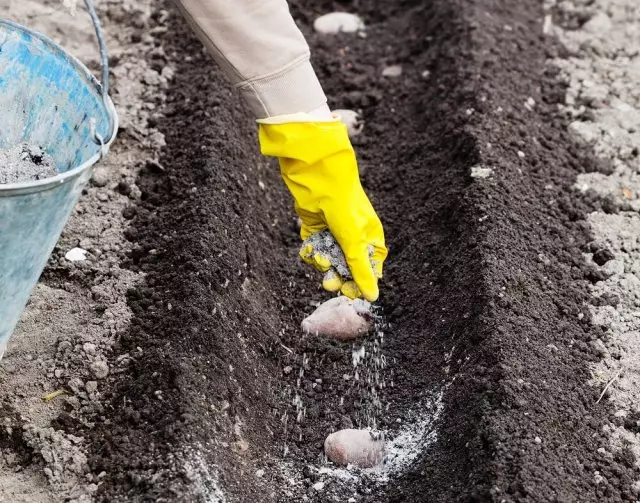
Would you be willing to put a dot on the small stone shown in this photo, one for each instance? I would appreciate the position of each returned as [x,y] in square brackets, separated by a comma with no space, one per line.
[521,154]
[287,370]
[353,121]
[100,369]
[426,74]
[537,440]
[339,318]
[100,178]
[158,139]
[354,447]
[260,473]
[76,255]
[392,71]
[338,22]
[91,387]
[597,478]
[318,486]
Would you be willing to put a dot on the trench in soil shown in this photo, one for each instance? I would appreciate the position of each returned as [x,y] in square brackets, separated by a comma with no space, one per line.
[484,276]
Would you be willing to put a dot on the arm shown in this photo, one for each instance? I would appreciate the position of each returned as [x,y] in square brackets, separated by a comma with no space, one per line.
[261,50]
[263,53]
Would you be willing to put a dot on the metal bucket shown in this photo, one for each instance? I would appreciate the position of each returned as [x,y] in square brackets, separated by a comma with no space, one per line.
[51,100]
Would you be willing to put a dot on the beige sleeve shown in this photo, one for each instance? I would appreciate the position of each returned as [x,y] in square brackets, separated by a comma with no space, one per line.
[262,51]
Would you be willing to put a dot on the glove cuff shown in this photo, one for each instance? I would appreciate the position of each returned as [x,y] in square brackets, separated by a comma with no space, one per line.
[303,140]
[298,118]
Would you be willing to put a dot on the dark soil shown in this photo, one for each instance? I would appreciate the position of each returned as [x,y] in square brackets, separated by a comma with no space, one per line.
[488,271]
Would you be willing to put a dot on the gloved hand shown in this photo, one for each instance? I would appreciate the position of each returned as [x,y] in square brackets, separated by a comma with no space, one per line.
[319,166]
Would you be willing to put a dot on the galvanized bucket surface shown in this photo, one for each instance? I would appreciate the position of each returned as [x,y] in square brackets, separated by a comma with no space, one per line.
[48,99]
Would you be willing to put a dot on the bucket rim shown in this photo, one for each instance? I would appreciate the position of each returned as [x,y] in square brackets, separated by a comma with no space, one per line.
[12,189]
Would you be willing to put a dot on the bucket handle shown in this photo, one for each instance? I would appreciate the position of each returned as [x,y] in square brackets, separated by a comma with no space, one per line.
[104,60]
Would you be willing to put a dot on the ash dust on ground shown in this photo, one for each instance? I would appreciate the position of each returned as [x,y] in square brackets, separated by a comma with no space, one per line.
[179,339]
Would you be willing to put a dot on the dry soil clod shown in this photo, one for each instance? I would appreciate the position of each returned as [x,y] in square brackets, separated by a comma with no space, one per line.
[100,369]
[354,447]
[339,318]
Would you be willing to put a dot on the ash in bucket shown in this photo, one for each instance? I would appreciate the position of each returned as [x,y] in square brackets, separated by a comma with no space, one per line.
[25,163]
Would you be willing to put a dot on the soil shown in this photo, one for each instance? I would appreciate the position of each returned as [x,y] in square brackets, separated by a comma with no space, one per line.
[603,99]
[189,375]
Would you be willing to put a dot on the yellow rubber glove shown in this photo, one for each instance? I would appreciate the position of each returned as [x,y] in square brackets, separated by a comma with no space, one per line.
[319,166]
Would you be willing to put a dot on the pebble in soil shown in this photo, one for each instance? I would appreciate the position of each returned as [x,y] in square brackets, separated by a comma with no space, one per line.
[25,163]
[76,255]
